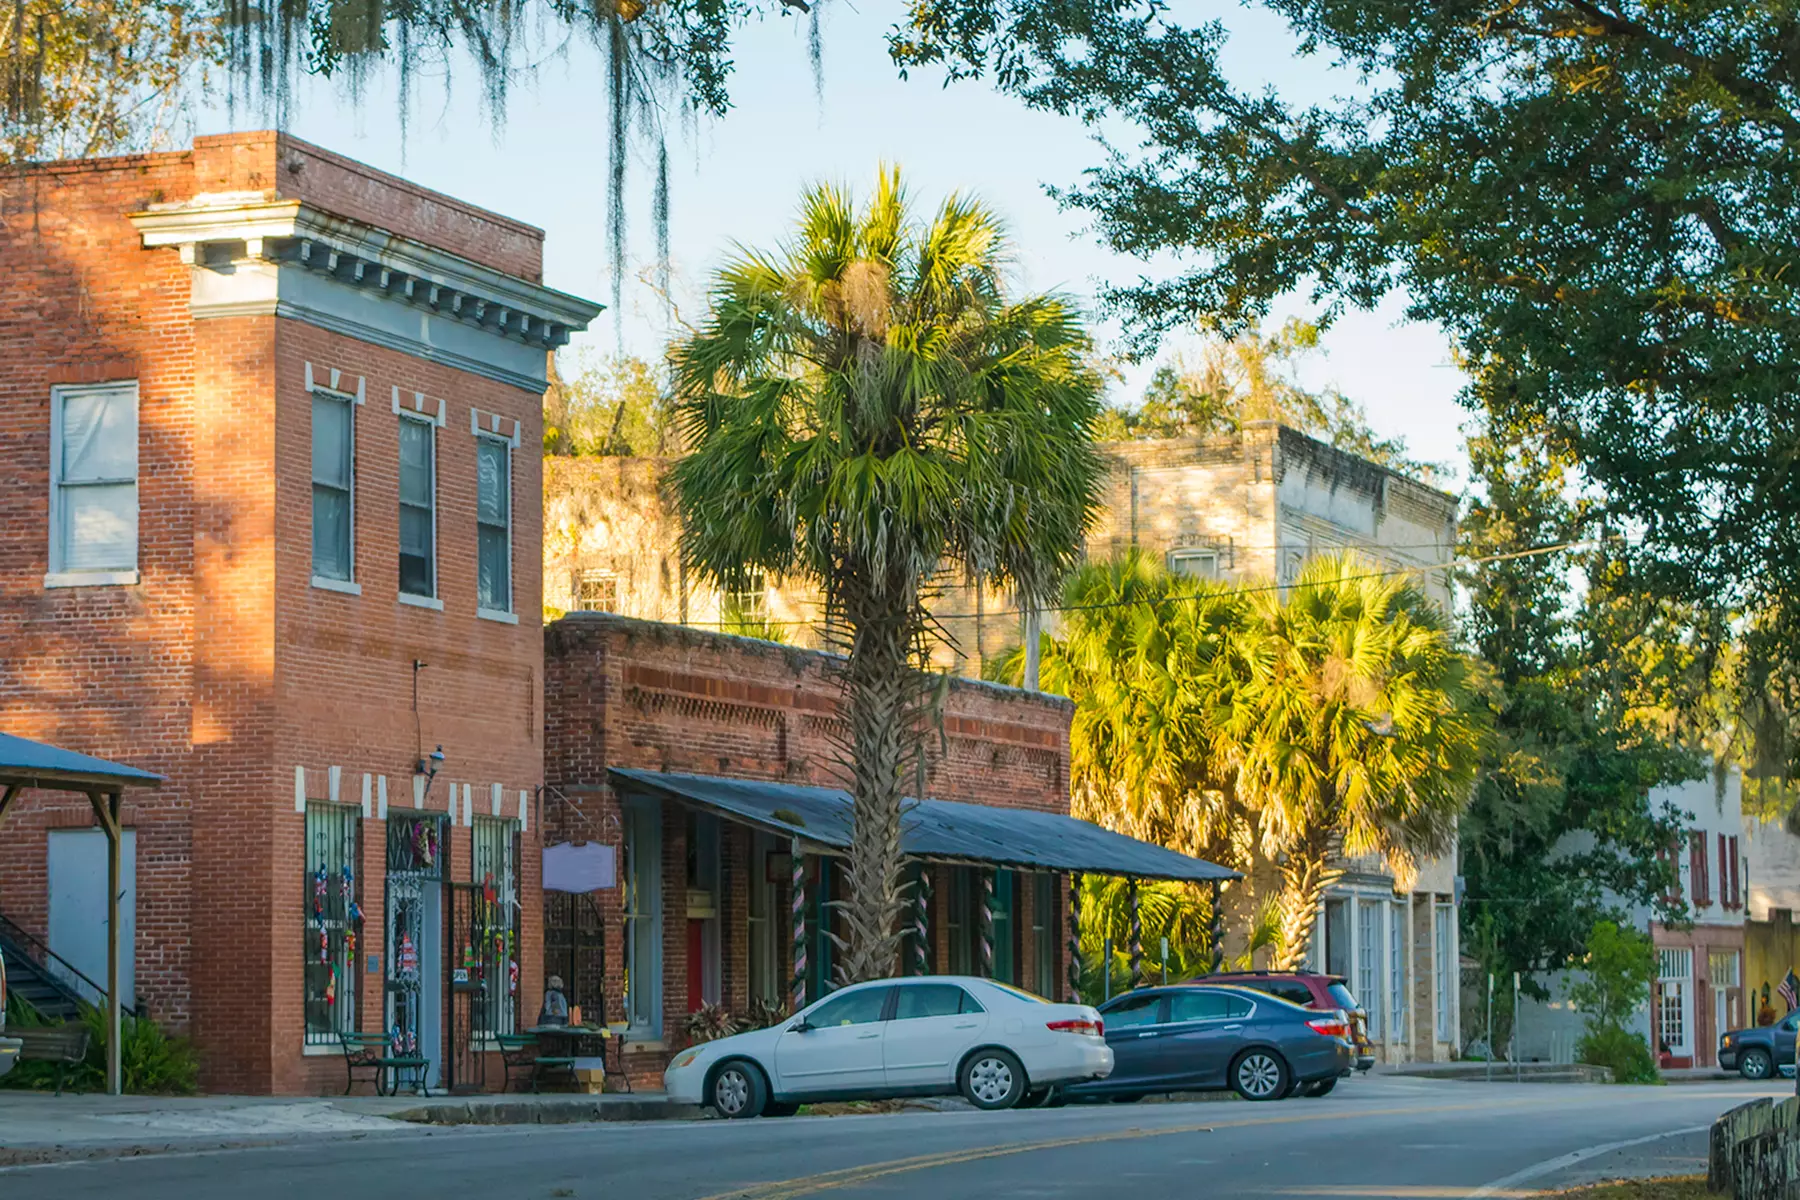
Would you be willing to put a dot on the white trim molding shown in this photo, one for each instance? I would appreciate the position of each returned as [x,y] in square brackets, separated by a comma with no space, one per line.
[333,778]
[251,255]
[494,614]
[411,601]
[524,810]
[299,789]
[418,791]
[71,579]
[334,376]
[494,799]
[381,796]
[494,425]
[419,404]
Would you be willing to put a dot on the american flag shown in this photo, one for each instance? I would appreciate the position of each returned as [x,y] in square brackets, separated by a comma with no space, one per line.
[1790,990]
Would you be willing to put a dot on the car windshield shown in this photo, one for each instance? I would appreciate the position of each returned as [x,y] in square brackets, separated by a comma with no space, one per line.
[1341,996]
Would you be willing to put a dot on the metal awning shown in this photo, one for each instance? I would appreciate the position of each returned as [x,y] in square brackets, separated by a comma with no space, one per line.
[939,830]
[28,764]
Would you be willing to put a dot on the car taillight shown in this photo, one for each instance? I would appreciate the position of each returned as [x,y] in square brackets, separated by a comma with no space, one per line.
[1334,1026]
[1079,1025]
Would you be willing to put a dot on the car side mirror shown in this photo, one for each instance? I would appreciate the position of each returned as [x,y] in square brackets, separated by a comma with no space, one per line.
[800,1026]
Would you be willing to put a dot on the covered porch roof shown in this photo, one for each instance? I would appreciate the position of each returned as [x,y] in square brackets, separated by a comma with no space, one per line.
[939,830]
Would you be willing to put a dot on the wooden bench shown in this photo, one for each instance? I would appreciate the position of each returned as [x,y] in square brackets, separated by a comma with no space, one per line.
[369,1052]
[519,1053]
[61,1044]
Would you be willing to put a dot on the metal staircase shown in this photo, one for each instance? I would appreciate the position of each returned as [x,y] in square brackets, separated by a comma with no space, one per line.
[37,975]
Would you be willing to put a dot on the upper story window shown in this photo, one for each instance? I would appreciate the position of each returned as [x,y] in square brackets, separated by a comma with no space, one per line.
[418,508]
[93,484]
[493,524]
[334,486]
[1200,564]
[597,591]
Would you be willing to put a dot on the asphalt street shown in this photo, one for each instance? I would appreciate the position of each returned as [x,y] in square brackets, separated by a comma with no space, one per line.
[1378,1137]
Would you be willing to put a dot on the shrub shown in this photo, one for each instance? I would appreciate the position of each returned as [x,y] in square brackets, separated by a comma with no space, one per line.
[153,1062]
[1624,1050]
[710,1022]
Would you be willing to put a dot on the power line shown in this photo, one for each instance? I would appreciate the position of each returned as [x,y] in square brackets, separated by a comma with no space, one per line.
[1239,590]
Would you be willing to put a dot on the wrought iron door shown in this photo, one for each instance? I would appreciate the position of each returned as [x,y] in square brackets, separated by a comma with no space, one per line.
[468,987]
[575,949]
[416,847]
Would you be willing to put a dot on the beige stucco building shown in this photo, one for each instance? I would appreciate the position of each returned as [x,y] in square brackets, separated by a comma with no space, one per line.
[1248,508]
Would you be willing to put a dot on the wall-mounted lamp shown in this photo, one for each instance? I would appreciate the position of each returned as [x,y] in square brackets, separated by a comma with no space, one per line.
[428,766]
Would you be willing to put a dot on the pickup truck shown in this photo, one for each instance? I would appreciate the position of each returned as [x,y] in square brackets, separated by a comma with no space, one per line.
[9,1047]
[1762,1052]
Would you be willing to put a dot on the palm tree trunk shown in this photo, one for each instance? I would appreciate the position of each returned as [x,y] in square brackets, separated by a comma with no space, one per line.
[880,689]
[1304,877]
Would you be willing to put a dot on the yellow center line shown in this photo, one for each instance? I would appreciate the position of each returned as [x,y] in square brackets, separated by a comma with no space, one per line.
[806,1185]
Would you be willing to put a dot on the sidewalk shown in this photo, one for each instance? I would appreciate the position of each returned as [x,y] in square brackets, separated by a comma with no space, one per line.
[36,1126]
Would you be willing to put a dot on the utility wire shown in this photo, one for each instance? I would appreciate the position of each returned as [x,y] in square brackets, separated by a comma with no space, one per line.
[1239,590]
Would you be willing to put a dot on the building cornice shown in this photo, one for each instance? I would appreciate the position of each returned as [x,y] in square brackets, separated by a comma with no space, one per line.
[256,238]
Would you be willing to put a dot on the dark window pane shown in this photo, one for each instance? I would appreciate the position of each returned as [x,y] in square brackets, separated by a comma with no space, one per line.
[857,1008]
[491,501]
[1237,1008]
[496,581]
[415,551]
[1137,1010]
[331,442]
[933,1000]
[331,533]
[1340,995]
[1197,1006]
[415,463]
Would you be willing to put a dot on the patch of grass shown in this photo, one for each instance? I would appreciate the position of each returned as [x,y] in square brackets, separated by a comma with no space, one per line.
[1679,1187]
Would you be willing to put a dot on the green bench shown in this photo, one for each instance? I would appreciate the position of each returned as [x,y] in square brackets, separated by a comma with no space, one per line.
[64,1045]
[370,1052]
[518,1052]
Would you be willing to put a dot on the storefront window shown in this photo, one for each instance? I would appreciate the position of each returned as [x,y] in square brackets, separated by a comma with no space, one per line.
[1043,933]
[496,920]
[333,921]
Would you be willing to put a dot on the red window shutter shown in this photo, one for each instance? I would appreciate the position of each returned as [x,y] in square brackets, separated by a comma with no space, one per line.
[1724,875]
[1737,892]
[1699,894]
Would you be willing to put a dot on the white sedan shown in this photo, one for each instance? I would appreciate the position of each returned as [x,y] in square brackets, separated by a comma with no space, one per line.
[925,1036]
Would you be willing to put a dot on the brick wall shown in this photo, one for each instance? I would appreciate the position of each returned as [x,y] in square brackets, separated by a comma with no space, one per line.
[631,693]
[224,668]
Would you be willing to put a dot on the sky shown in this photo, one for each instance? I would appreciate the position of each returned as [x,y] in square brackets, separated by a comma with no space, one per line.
[737,180]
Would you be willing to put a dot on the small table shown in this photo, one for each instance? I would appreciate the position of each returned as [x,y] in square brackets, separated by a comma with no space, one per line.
[575,1035]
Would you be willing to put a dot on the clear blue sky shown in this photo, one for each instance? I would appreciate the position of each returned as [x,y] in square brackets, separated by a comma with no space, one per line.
[736,180]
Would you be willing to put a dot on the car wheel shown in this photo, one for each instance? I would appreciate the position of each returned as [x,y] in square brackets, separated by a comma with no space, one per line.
[772,1109]
[1320,1087]
[1756,1064]
[1259,1075]
[738,1090]
[1057,1099]
[993,1079]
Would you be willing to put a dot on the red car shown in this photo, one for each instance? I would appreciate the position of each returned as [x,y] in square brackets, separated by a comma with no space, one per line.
[1326,993]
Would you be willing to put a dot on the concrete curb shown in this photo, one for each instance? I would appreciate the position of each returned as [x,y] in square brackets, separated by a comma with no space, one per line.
[574,1110]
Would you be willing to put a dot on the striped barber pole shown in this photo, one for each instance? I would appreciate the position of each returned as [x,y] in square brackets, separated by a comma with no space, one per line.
[921,928]
[1074,937]
[987,924]
[1217,930]
[799,914]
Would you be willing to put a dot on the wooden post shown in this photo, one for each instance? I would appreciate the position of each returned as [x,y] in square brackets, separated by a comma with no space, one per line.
[108,809]
[1137,935]
[7,797]
[1217,931]
[799,925]
[1033,624]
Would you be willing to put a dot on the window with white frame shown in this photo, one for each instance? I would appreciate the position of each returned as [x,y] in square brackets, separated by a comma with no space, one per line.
[493,524]
[643,920]
[1199,563]
[1444,917]
[418,507]
[748,603]
[596,590]
[1674,970]
[1368,962]
[333,921]
[496,860]
[93,483]
[334,485]
[1397,967]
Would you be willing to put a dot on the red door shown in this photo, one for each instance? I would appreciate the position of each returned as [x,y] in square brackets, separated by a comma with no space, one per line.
[696,965]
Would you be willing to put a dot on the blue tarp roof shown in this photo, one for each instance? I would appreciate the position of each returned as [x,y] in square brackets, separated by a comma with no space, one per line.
[932,829]
[39,764]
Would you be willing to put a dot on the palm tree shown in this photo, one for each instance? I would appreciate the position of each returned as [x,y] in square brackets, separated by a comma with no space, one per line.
[865,409]
[1355,729]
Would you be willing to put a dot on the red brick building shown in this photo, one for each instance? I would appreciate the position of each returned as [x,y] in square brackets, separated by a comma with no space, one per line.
[701,760]
[270,527]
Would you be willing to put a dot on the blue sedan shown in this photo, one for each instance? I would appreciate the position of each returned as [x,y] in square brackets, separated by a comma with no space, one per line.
[1199,1038]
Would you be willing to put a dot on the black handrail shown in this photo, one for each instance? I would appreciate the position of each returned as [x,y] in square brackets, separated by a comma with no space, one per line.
[44,956]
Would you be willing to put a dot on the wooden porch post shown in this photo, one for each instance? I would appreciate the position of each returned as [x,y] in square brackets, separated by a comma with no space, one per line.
[1137,935]
[108,808]
[7,797]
